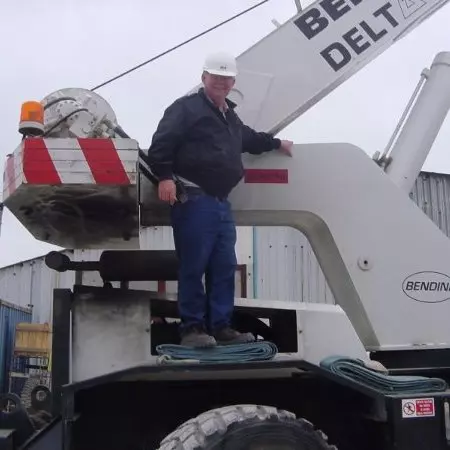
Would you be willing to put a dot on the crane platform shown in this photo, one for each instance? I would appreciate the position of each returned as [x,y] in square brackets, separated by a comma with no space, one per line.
[75,192]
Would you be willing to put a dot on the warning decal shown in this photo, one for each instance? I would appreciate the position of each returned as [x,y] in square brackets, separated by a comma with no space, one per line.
[270,176]
[421,407]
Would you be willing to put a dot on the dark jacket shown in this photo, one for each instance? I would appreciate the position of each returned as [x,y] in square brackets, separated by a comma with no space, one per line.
[195,141]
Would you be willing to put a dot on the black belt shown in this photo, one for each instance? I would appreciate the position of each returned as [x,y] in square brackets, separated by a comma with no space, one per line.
[193,190]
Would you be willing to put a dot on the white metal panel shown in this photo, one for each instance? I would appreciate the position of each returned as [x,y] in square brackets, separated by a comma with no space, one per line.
[156,238]
[286,267]
[431,193]
[14,284]
[109,335]
[244,253]
[31,283]
[86,255]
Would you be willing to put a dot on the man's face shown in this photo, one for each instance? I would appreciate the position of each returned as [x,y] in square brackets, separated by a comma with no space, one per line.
[217,86]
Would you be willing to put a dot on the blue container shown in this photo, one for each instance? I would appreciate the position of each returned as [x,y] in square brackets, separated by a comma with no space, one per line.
[10,316]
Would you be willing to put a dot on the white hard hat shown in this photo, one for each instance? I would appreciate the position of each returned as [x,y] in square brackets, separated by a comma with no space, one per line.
[221,63]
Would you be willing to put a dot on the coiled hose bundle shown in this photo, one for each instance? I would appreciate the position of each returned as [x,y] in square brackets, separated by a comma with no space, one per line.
[221,354]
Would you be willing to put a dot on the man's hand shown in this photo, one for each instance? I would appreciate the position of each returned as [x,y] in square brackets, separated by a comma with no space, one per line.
[286,147]
[167,191]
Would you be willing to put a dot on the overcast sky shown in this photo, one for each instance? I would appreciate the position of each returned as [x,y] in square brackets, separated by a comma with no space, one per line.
[49,45]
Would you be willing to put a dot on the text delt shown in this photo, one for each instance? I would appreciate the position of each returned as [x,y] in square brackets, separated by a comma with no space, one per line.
[355,41]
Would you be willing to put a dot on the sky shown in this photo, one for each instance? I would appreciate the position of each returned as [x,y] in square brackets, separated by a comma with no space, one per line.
[49,45]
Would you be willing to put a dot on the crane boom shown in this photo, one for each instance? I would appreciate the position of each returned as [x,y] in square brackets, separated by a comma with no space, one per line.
[314,52]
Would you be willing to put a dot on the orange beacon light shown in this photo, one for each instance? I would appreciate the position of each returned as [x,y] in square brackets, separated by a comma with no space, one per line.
[31,119]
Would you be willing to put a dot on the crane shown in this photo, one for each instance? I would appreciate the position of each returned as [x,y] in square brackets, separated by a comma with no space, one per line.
[335,39]
[78,180]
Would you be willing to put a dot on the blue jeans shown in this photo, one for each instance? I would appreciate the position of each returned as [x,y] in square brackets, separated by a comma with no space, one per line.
[205,238]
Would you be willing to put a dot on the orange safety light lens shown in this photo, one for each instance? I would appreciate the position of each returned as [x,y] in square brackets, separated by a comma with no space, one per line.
[32,112]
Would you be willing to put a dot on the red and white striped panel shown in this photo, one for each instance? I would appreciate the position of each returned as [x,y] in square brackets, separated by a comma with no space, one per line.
[40,161]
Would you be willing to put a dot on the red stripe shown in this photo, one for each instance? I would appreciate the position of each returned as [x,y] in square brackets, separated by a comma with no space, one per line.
[38,167]
[104,162]
[272,176]
[161,287]
[10,176]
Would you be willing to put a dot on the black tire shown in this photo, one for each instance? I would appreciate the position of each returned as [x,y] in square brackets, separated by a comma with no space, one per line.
[33,381]
[41,398]
[236,427]
[25,395]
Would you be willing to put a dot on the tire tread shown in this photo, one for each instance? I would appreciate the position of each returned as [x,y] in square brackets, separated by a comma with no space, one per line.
[194,434]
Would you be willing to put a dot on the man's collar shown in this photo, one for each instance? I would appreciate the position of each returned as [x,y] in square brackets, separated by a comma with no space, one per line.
[229,103]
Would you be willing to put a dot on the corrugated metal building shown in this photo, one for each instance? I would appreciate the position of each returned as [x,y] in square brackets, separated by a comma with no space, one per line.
[280,264]
[30,283]
[287,268]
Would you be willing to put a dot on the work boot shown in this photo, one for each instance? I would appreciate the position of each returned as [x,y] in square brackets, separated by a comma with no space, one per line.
[228,336]
[196,337]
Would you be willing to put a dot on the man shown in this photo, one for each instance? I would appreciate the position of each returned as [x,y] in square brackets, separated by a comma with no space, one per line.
[196,155]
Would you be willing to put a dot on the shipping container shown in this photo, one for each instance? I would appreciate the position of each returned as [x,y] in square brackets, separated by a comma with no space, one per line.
[10,316]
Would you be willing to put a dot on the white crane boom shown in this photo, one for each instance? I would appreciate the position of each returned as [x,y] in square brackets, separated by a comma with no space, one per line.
[303,60]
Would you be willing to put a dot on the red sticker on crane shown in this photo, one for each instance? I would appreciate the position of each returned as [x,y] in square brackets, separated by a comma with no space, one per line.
[269,176]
